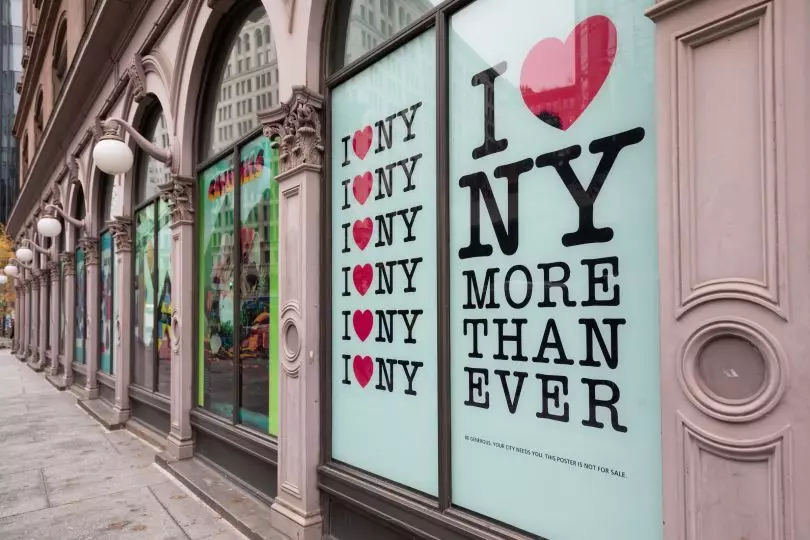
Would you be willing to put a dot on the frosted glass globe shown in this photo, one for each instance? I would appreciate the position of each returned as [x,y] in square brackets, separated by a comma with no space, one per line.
[112,156]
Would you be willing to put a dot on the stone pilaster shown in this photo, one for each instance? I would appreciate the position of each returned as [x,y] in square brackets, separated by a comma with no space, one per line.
[91,260]
[44,277]
[295,129]
[70,314]
[17,295]
[26,323]
[56,293]
[179,194]
[33,345]
[21,323]
[121,228]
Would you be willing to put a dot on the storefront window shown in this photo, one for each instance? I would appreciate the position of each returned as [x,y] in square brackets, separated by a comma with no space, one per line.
[238,250]
[106,277]
[532,358]
[152,258]
[81,303]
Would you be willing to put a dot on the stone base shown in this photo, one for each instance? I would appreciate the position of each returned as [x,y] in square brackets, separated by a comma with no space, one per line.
[102,413]
[56,382]
[149,435]
[177,449]
[83,393]
[290,523]
[34,366]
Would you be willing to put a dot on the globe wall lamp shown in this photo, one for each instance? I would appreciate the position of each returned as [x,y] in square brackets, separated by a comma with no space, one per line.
[3,280]
[13,263]
[11,270]
[50,226]
[37,247]
[113,156]
[24,254]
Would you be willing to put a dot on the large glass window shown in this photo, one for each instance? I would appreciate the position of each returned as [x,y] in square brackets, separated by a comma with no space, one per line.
[224,129]
[152,287]
[520,350]
[80,311]
[106,276]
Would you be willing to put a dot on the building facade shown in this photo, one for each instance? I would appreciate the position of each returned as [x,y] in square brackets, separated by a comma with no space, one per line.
[461,269]
[11,45]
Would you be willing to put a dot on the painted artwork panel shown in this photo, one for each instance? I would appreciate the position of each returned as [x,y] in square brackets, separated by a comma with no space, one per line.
[106,296]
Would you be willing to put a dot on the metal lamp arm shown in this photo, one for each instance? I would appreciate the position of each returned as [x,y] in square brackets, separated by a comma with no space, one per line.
[35,246]
[73,221]
[28,266]
[163,155]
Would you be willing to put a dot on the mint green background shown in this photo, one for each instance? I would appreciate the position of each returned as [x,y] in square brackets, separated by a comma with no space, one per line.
[546,498]
[80,312]
[106,267]
[390,434]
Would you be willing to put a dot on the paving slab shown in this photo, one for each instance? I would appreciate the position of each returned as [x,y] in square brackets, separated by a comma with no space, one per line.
[63,476]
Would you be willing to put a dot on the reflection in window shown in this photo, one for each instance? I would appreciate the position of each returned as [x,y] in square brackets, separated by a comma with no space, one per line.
[256,25]
[364,33]
[152,287]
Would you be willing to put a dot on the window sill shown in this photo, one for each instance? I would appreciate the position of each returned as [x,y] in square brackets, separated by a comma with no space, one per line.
[106,379]
[152,399]
[417,513]
[246,440]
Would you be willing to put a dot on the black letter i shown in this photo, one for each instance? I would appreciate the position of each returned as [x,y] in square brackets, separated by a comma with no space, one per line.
[345,184]
[345,325]
[346,369]
[345,150]
[345,238]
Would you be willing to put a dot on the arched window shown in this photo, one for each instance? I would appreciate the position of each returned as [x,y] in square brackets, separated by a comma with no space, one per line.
[267,38]
[237,217]
[367,25]
[39,117]
[80,310]
[258,35]
[106,273]
[60,52]
[152,287]
[246,39]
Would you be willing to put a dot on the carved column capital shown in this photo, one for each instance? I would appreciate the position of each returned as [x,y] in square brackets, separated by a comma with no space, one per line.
[295,130]
[53,269]
[89,245]
[136,78]
[69,262]
[35,280]
[179,194]
[121,229]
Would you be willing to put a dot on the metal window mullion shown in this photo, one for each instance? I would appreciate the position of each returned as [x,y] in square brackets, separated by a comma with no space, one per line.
[237,293]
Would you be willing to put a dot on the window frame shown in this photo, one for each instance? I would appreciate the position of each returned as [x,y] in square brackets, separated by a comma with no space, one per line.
[104,228]
[230,27]
[152,114]
[437,515]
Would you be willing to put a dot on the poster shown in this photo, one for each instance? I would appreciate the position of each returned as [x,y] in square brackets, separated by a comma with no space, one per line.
[555,414]
[81,306]
[384,303]
[106,319]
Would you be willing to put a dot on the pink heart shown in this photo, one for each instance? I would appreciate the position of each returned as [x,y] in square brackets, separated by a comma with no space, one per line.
[361,231]
[362,321]
[362,276]
[363,369]
[559,80]
[361,142]
[362,187]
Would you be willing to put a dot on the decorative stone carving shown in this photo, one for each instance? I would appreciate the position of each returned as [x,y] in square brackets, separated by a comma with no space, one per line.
[35,280]
[295,129]
[90,247]
[179,194]
[53,269]
[73,170]
[137,78]
[44,277]
[121,228]
[68,261]
[98,129]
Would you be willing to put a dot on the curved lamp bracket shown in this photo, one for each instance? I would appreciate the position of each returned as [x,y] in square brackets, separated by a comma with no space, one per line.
[20,263]
[164,155]
[73,221]
[26,241]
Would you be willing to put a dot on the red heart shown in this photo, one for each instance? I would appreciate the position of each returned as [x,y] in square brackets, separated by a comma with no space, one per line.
[559,80]
[362,275]
[363,369]
[362,232]
[363,321]
[361,142]
[362,187]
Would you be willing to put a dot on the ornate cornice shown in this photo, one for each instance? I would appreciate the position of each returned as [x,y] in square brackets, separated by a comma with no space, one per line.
[179,194]
[295,129]
[69,262]
[121,229]
[89,245]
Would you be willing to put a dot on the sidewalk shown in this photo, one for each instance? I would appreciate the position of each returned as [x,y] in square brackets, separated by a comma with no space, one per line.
[63,476]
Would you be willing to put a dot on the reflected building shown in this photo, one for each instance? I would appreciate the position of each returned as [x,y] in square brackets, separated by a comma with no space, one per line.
[10,72]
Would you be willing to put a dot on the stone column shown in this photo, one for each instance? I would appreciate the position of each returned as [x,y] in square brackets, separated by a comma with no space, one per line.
[91,260]
[121,228]
[43,317]
[18,315]
[26,287]
[70,314]
[56,292]
[295,129]
[33,357]
[179,194]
